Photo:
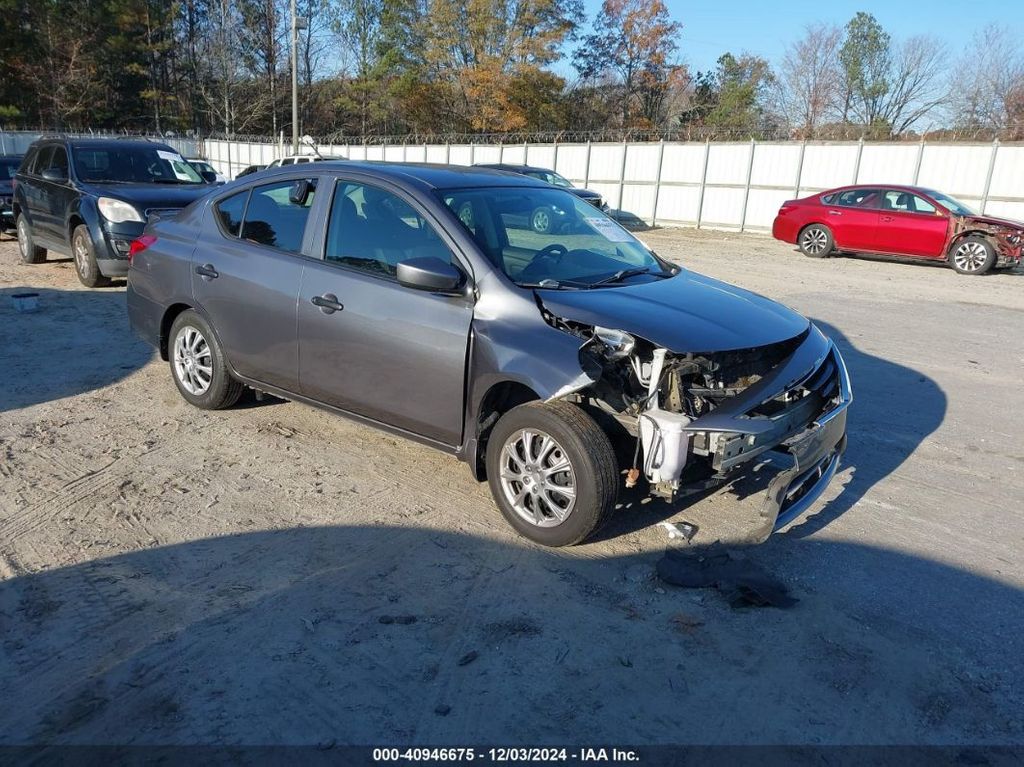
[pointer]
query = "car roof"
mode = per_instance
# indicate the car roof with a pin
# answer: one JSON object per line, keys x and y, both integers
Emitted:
{"x": 422, "y": 175}
{"x": 103, "y": 143}
{"x": 895, "y": 187}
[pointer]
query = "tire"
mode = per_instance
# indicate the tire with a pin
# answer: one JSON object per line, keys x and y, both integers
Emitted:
{"x": 815, "y": 241}
{"x": 86, "y": 268}
{"x": 972, "y": 255}
{"x": 198, "y": 366}
{"x": 542, "y": 220}
{"x": 30, "y": 254}
{"x": 576, "y": 441}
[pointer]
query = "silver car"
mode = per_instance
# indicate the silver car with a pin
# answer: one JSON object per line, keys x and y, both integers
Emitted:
{"x": 560, "y": 365}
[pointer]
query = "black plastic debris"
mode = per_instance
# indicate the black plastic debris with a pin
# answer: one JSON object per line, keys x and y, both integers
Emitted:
{"x": 741, "y": 582}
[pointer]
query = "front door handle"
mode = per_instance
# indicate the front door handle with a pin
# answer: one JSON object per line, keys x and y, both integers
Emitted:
{"x": 207, "y": 272}
{"x": 328, "y": 303}
{"x": 835, "y": 213}
{"x": 886, "y": 219}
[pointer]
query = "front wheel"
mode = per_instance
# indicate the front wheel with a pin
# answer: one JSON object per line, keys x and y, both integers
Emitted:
{"x": 85, "y": 259}
{"x": 198, "y": 366}
{"x": 542, "y": 220}
{"x": 816, "y": 241}
{"x": 973, "y": 255}
{"x": 552, "y": 472}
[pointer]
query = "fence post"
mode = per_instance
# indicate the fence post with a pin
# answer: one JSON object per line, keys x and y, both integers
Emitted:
{"x": 447, "y": 153}
{"x": 526, "y": 153}
{"x": 405, "y": 151}
{"x": 856, "y": 165}
{"x": 472, "y": 152}
{"x": 746, "y": 190}
{"x": 703, "y": 182}
{"x": 554, "y": 161}
{"x": 501, "y": 151}
{"x": 586, "y": 172}
{"x": 988, "y": 176}
{"x": 657, "y": 182}
{"x": 425, "y": 158}
{"x": 3, "y": 144}
{"x": 800, "y": 169}
{"x": 917, "y": 165}
{"x": 622, "y": 174}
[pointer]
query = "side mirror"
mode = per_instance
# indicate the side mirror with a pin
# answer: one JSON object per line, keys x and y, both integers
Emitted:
{"x": 209, "y": 176}
{"x": 429, "y": 273}
{"x": 55, "y": 174}
{"x": 299, "y": 192}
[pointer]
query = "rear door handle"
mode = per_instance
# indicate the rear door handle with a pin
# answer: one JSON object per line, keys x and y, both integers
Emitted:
{"x": 886, "y": 219}
{"x": 207, "y": 272}
{"x": 835, "y": 213}
{"x": 328, "y": 303}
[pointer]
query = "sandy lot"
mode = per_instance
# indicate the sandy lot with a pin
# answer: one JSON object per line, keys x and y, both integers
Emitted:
{"x": 175, "y": 576}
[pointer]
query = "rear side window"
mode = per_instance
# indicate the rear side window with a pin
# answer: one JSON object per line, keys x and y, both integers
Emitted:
{"x": 272, "y": 219}
{"x": 858, "y": 198}
{"x": 230, "y": 211}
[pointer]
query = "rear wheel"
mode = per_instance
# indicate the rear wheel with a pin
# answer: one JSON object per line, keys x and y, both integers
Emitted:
{"x": 198, "y": 366}
{"x": 973, "y": 255}
{"x": 85, "y": 259}
{"x": 552, "y": 472}
{"x": 816, "y": 241}
{"x": 30, "y": 254}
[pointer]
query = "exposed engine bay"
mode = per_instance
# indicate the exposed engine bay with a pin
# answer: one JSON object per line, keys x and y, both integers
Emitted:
{"x": 700, "y": 414}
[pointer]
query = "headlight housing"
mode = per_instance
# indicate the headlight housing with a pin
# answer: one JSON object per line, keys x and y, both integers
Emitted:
{"x": 118, "y": 211}
{"x": 618, "y": 342}
{"x": 1014, "y": 239}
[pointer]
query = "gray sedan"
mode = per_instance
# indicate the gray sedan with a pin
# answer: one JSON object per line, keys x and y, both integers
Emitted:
{"x": 559, "y": 365}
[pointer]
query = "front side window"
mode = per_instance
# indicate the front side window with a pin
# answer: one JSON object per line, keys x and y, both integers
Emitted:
{"x": 59, "y": 160}
{"x": 951, "y": 203}
{"x": 136, "y": 162}
{"x": 372, "y": 230}
{"x": 905, "y": 202}
{"x": 858, "y": 198}
{"x": 273, "y": 218}
{"x": 551, "y": 238}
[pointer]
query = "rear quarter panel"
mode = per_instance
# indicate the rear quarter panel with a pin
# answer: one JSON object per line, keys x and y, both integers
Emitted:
{"x": 161, "y": 275}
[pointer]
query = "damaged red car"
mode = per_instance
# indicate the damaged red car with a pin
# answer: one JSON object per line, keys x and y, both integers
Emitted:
{"x": 901, "y": 221}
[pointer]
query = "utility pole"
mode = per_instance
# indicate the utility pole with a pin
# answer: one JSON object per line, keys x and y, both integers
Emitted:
{"x": 295, "y": 82}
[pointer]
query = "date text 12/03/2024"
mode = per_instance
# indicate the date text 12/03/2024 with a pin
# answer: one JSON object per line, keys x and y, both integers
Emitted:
{"x": 501, "y": 755}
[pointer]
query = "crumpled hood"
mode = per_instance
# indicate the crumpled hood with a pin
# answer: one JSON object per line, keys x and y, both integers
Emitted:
{"x": 146, "y": 196}
{"x": 685, "y": 313}
{"x": 993, "y": 221}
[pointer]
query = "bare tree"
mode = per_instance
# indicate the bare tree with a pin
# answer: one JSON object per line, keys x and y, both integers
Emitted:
{"x": 915, "y": 83}
{"x": 989, "y": 81}
{"x": 810, "y": 78}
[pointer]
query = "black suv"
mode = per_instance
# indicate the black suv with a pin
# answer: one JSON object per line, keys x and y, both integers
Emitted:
{"x": 89, "y": 198}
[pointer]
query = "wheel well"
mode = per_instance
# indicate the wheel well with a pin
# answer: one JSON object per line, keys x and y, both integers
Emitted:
{"x": 73, "y": 222}
{"x": 165, "y": 326}
{"x": 964, "y": 235}
{"x": 498, "y": 400}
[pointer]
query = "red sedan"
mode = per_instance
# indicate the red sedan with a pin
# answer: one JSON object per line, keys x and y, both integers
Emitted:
{"x": 903, "y": 221}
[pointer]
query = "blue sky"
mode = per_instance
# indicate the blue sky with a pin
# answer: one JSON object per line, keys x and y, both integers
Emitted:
{"x": 765, "y": 28}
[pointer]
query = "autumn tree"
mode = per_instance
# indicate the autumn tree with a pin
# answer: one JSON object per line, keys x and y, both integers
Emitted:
{"x": 636, "y": 41}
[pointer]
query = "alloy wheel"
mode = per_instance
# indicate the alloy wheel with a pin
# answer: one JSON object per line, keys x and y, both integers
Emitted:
{"x": 193, "y": 361}
{"x": 537, "y": 478}
{"x": 81, "y": 254}
{"x": 23, "y": 243}
{"x": 541, "y": 221}
{"x": 814, "y": 241}
{"x": 970, "y": 256}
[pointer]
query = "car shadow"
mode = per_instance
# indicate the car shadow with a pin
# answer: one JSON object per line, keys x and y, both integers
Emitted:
{"x": 631, "y": 221}
{"x": 87, "y": 339}
{"x": 327, "y": 636}
{"x": 895, "y": 408}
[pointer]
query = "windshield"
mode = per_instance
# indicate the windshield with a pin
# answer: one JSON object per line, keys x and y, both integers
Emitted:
{"x": 550, "y": 177}
{"x": 951, "y": 204}
{"x": 202, "y": 167}
{"x": 139, "y": 164}
{"x": 8, "y": 168}
{"x": 550, "y": 238}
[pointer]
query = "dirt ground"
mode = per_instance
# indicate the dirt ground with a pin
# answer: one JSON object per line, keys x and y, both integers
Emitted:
{"x": 272, "y": 574}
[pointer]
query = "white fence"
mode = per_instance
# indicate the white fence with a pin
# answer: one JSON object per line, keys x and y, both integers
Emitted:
{"x": 715, "y": 185}
{"x": 18, "y": 142}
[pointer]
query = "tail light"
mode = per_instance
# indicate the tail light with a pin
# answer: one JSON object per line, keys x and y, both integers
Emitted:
{"x": 140, "y": 245}
{"x": 787, "y": 206}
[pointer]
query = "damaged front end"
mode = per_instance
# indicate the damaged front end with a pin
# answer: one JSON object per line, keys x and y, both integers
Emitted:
{"x": 706, "y": 416}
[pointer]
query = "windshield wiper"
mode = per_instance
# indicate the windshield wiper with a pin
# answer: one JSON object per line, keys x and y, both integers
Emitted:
{"x": 623, "y": 274}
